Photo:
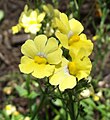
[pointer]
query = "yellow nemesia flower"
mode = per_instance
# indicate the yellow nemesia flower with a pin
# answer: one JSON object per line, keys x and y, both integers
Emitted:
{"x": 68, "y": 34}
{"x": 40, "y": 56}
{"x": 62, "y": 77}
{"x": 66, "y": 74}
{"x": 79, "y": 42}
{"x": 30, "y": 20}
{"x": 9, "y": 109}
{"x": 80, "y": 65}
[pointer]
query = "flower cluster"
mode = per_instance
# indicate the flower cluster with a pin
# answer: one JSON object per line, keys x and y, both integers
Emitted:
{"x": 44, "y": 57}
{"x": 30, "y": 20}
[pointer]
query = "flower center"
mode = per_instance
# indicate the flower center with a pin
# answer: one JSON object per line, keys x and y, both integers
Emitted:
{"x": 40, "y": 60}
{"x": 73, "y": 39}
{"x": 72, "y": 68}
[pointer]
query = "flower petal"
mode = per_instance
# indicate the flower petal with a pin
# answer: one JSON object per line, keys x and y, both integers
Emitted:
{"x": 76, "y": 26}
{"x": 79, "y": 55}
{"x": 64, "y": 20}
{"x": 60, "y": 26}
{"x": 29, "y": 49}
{"x": 27, "y": 65}
{"x": 68, "y": 82}
{"x": 33, "y": 28}
{"x": 43, "y": 70}
{"x": 51, "y": 45}
{"x": 57, "y": 77}
{"x": 41, "y": 17}
{"x": 40, "y": 42}
{"x": 84, "y": 67}
{"x": 55, "y": 57}
{"x": 61, "y": 71}
{"x": 82, "y": 43}
{"x": 62, "y": 38}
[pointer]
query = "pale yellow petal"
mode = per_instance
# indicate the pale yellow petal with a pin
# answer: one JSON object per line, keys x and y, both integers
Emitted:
{"x": 76, "y": 26}
{"x": 68, "y": 82}
{"x": 84, "y": 67}
{"x": 41, "y": 17}
{"x": 40, "y": 42}
{"x": 29, "y": 49}
{"x": 85, "y": 44}
{"x": 64, "y": 61}
{"x": 51, "y": 45}
{"x": 56, "y": 13}
{"x": 55, "y": 57}
{"x": 64, "y": 19}
{"x": 61, "y": 70}
{"x": 57, "y": 77}
{"x": 79, "y": 55}
{"x": 60, "y": 26}
{"x": 81, "y": 75}
{"x": 43, "y": 70}
{"x": 83, "y": 36}
{"x": 62, "y": 38}
{"x": 33, "y": 15}
{"x": 33, "y": 28}
{"x": 27, "y": 65}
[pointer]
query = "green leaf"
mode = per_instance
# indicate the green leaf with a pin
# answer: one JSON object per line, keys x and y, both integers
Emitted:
{"x": 21, "y": 91}
{"x": 1, "y": 14}
{"x": 33, "y": 95}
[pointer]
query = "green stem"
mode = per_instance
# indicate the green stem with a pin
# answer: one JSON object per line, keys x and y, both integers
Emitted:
{"x": 64, "y": 103}
{"x": 28, "y": 89}
{"x": 28, "y": 84}
{"x": 78, "y": 110}
{"x": 37, "y": 108}
{"x": 71, "y": 107}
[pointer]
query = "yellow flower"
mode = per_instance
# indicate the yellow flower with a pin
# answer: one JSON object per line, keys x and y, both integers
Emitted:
{"x": 9, "y": 109}
{"x": 62, "y": 77}
{"x": 80, "y": 65}
{"x": 79, "y": 42}
{"x": 16, "y": 29}
{"x": 68, "y": 34}
{"x": 65, "y": 75}
{"x": 40, "y": 56}
{"x": 30, "y": 20}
